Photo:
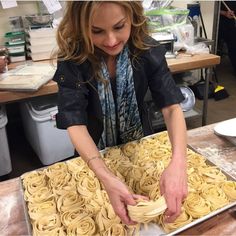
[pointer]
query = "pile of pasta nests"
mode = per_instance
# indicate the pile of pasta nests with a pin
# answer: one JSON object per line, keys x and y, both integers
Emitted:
{"x": 66, "y": 198}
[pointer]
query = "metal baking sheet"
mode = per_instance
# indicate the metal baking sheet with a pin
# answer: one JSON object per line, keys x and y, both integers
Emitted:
{"x": 23, "y": 202}
{"x": 152, "y": 228}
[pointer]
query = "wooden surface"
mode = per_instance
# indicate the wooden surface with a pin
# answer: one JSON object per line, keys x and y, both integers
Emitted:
{"x": 12, "y": 96}
{"x": 13, "y": 221}
{"x": 181, "y": 63}
{"x": 12, "y": 216}
{"x": 184, "y": 62}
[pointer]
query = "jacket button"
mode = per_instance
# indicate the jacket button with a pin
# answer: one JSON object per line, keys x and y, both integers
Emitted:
{"x": 78, "y": 85}
{"x": 62, "y": 78}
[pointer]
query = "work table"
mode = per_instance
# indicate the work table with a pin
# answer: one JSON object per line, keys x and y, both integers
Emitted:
{"x": 179, "y": 64}
{"x": 199, "y": 139}
{"x": 183, "y": 62}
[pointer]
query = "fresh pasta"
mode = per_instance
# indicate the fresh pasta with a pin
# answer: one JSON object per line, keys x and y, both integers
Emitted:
{"x": 196, "y": 206}
{"x": 146, "y": 211}
{"x": 66, "y": 198}
{"x": 182, "y": 220}
{"x": 229, "y": 188}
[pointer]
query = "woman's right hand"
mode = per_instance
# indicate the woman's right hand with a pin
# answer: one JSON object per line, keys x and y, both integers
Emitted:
{"x": 117, "y": 191}
{"x": 120, "y": 197}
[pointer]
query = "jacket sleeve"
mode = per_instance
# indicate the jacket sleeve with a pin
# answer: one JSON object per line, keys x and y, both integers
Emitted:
{"x": 72, "y": 95}
{"x": 160, "y": 81}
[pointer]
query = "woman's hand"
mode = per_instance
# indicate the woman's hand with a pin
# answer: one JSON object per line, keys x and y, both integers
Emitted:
{"x": 228, "y": 14}
{"x": 117, "y": 191}
{"x": 120, "y": 197}
{"x": 173, "y": 185}
{"x": 3, "y": 62}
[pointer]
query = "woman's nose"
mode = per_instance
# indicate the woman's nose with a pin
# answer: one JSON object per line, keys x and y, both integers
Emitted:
{"x": 110, "y": 40}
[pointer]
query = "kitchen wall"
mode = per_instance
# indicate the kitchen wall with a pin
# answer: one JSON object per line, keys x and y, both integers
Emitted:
{"x": 23, "y": 8}
{"x": 207, "y": 10}
{"x": 31, "y": 7}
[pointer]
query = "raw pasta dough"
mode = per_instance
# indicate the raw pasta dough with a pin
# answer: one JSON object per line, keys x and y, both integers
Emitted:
{"x": 67, "y": 199}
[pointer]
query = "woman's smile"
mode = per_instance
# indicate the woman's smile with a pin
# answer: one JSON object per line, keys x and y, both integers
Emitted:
{"x": 111, "y": 28}
{"x": 112, "y": 48}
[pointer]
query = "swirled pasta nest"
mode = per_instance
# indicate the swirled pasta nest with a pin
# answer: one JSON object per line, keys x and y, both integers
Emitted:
{"x": 66, "y": 198}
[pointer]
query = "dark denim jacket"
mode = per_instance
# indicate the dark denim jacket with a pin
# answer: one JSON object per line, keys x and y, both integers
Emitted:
{"x": 78, "y": 100}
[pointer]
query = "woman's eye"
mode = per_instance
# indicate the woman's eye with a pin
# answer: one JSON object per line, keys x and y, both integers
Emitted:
{"x": 96, "y": 31}
{"x": 119, "y": 27}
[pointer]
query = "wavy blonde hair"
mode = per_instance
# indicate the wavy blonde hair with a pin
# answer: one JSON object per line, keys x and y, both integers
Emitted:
{"x": 74, "y": 32}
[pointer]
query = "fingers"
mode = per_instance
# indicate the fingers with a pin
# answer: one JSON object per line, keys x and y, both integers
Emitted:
{"x": 174, "y": 188}
{"x": 130, "y": 199}
{"x": 122, "y": 211}
{"x": 173, "y": 210}
{"x": 120, "y": 208}
{"x": 185, "y": 192}
{"x": 174, "y": 201}
{"x": 138, "y": 197}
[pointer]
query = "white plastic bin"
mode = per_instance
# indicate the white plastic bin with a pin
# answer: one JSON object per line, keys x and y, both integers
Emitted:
{"x": 49, "y": 143}
{"x": 5, "y": 160}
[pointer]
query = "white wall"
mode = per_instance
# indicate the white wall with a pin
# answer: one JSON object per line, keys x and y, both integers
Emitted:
{"x": 23, "y": 8}
{"x": 31, "y": 7}
{"x": 207, "y": 10}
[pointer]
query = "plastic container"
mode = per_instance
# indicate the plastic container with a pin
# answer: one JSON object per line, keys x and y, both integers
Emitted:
{"x": 15, "y": 57}
{"x": 40, "y": 48}
{"x": 49, "y": 143}
{"x": 16, "y": 48}
{"x": 39, "y": 19}
{"x": 5, "y": 160}
{"x": 42, "y": 33}
{"x": 42, "y": 41}
{"x": 15, "y": 37}
{"x": 16, "y": 23}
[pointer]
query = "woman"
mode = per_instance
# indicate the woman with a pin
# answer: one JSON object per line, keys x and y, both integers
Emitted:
{"x": 106, "y": 64}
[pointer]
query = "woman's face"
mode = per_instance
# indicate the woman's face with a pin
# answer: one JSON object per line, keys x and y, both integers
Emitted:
{"x": 110, "y": 28}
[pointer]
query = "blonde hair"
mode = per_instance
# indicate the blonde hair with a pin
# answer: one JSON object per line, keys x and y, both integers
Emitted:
{"x": 74, "y": 31}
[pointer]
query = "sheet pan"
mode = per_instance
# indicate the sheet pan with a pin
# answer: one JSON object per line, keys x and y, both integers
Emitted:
{"x": 153, "y": 229}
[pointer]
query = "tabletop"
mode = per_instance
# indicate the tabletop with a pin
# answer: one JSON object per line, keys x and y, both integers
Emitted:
{"x": 204, "y": 141}
{"x": 13, "y": 221}
{"x": 181, "y": 63}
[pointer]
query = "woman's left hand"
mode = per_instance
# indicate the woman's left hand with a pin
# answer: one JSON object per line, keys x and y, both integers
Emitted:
{"x": 173, "y": 185}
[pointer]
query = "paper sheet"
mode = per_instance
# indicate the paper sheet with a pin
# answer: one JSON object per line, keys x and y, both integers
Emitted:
{"x": 52, "y": 5}
{"x": 8, "y": 3}
{"x": 27, "y": 77}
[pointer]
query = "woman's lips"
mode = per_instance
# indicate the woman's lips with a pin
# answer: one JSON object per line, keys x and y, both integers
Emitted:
{"x": 113, "y": 47}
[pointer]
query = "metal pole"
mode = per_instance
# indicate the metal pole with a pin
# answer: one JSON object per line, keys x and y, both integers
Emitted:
{"x": 215, "y": 30}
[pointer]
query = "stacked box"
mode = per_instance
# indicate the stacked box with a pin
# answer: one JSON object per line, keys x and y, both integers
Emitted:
{"x": 16, "y": 45}
{"x": 41, "y": 43}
